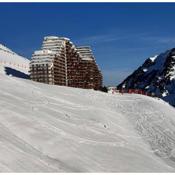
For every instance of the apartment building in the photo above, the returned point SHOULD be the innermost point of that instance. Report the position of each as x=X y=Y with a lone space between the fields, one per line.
x=60 y=62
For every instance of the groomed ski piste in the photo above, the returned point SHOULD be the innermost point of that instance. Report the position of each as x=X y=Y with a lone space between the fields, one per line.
x=47 y=128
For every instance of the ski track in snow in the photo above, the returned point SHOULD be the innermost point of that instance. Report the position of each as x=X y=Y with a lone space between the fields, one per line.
x=47 y=128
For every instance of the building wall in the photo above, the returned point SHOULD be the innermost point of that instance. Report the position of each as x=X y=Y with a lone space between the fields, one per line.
x=69 y=66
x=59 y=70
x=42 y=73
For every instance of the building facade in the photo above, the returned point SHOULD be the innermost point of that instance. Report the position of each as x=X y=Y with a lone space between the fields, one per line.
x=59 y=62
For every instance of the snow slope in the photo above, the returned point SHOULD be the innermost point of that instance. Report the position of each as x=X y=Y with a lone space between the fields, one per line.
x=47 y=128
x=12 y=63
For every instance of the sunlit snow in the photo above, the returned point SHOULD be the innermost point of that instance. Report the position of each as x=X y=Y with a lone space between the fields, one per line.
x=46 y=128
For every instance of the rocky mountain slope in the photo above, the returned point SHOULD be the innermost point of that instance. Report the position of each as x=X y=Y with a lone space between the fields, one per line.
x=156 y=75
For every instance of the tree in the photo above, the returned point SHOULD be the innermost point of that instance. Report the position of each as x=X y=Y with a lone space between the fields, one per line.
x=104 y=89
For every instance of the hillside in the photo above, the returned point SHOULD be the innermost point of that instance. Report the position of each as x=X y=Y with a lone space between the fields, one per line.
x=46 y=128
x=13 y=64
x=156 y=75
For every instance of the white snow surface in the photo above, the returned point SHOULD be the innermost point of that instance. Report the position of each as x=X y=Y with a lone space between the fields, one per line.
x=47 y=128
x=10 y=59
x=153 y=58
x=4 y=48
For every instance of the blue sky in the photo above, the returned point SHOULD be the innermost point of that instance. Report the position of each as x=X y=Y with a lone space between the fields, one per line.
x=122 y=35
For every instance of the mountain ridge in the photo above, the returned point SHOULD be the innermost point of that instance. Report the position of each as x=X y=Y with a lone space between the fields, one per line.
x=156 y=75
x=12 y=63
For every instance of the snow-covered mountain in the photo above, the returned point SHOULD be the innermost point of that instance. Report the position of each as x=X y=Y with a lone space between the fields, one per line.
x=47 y=128
x=156 y=75
x=12 y=63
